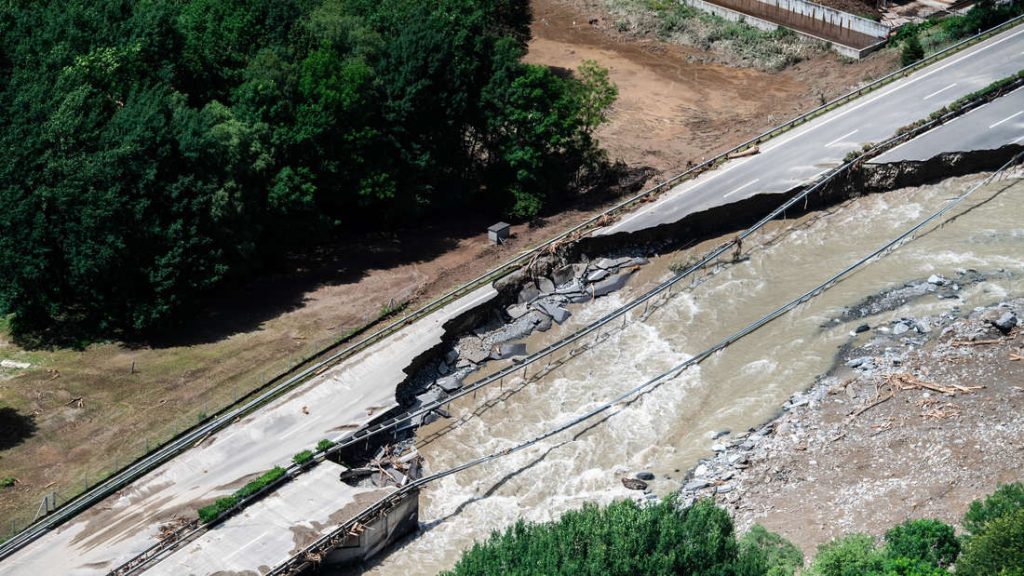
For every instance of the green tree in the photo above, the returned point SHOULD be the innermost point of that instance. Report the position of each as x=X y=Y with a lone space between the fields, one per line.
x=1006 y=499
x=930 y=541
x=912 y=51
x=997 y=550
x=622 y=538
x=902 y=566
x=853 y=555
x=156 y=150
x=765 y=553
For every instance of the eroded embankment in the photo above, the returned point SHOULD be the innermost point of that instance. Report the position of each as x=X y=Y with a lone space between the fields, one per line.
x=865 y=179
x=530 y=298
x=666 y=432
x=918 y=417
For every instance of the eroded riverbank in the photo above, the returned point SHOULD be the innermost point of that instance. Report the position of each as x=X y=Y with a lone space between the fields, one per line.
x=670 y=429
x=918 y=418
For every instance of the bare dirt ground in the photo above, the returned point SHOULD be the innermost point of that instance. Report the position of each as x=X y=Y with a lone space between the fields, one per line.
x=73 y=417
x=917 y=429
x=676 y=103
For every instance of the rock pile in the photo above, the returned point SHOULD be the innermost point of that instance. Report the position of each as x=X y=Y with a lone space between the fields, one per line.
x=822 y=435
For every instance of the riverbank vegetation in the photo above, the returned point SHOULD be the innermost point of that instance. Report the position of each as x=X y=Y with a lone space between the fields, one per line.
x=664 y=538
x=156 y=150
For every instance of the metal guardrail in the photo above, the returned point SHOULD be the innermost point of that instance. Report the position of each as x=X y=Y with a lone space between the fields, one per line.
x=182 y=442
x=300 y=561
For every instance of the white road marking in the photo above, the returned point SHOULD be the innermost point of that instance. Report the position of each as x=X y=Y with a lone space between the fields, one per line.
x=751 y=183
x=1019 y=138
x=828 y=118
x=841 y=138
x=1010 y=117
x=937 y=92
x=255 y=540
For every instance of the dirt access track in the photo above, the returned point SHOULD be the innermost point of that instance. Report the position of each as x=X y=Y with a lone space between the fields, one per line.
x=73 y=417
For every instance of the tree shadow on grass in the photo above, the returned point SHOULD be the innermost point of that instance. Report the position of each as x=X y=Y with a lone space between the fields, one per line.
x=15 y=427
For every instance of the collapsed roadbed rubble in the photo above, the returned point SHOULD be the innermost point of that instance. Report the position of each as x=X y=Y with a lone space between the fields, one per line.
x=917 y=418
x=535 y=305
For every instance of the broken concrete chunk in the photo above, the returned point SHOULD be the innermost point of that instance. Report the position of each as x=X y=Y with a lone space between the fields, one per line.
x=556 y=312
x=563 y=275
x=546 y=285
x=607 y=263
x=476 y=353
x=597 y=275
x=429 y=397
x=528 y=294
x=450 y=383
x=517 y=311
x=580 y=298
x=508 y=350
x=544 y=324
x=609 y=285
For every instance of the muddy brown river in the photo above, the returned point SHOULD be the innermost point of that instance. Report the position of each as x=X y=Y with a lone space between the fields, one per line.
x=669 y=429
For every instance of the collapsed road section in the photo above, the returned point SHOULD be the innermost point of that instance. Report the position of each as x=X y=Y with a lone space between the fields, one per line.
x=344 y=398
x=565 y=287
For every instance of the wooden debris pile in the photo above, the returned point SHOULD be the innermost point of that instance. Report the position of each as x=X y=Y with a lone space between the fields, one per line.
x=387 y=468
x=906 y=381
x=173 y=529
x=933 y=408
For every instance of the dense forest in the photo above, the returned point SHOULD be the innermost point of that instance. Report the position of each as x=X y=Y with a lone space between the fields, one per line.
x=154 y=149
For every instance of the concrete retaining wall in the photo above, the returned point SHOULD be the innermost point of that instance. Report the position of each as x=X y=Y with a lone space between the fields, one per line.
x=826 y=14
x=379 y=533
x=824 y=18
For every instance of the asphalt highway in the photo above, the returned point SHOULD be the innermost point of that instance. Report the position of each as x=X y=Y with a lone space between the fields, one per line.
x=987 y=127
x=797 y=157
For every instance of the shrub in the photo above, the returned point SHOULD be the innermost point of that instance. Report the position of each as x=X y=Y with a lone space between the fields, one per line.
x=853 y=555
x=996 y=551
x=213 y=511
x=764 y=553
x=7 y=481
x=260 y=483
x=324 y=445
x=210 y=513
x=901 y=566
x=1006 y=499
x=912 y=51
x=930 y=541
x=303 y=457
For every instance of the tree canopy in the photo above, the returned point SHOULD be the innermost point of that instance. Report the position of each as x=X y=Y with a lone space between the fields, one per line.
x=153 y=150
x=627 y=539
